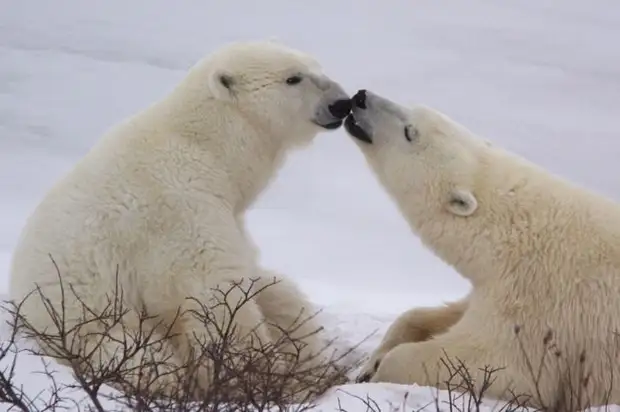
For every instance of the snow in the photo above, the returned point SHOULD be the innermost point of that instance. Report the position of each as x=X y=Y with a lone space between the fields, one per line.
x=540 y=77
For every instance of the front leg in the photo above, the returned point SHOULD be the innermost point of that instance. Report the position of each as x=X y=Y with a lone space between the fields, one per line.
x=221 y=313
x=296 y=330
x=415 y=325
x=208 y=274
x=291 y=317
x=289 y=314
x=459 y=362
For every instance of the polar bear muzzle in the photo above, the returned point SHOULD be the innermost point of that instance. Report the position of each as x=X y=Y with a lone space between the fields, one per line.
x=354 y=129
x=333 y=108
x=352 y=124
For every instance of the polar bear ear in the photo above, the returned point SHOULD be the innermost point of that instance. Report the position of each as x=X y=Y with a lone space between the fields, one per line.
x=462 y=203
x=221 y=84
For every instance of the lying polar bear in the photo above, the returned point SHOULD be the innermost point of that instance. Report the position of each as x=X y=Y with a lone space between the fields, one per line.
x=542 y=254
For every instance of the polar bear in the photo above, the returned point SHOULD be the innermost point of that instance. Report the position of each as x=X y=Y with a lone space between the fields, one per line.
x=157 y=207
x=542 y=255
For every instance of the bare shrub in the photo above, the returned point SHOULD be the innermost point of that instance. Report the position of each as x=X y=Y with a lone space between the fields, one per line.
x=263 y=376
x=575 y=390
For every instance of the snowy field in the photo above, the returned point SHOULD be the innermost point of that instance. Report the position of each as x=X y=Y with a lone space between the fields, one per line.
x=540 y=77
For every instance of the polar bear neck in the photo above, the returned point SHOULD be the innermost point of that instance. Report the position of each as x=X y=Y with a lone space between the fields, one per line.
x=527 y=217
x=245 y=154
x=250 y=169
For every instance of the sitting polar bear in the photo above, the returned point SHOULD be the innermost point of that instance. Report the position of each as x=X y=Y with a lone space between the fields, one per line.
x=160 y=200
x=542 y=254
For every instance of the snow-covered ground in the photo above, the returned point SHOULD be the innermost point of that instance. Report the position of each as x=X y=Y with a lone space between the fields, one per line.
x=540 y=77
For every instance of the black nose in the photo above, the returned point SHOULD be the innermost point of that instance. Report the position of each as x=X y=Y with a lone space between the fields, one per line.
x=340 y=108
x=359 y=100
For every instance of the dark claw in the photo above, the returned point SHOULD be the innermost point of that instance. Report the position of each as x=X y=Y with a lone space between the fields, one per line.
x=368 y=375
x=363 y=378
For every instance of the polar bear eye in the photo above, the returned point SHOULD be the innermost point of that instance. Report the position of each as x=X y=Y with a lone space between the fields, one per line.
x=294 y=80
x=410 y=132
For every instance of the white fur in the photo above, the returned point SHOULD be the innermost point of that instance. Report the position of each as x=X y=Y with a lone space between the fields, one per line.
x=541 y=254
x=161 y=199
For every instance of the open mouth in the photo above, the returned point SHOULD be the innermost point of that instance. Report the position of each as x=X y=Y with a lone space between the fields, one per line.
x=356 y=130
x=330 y=126
x=333 y=125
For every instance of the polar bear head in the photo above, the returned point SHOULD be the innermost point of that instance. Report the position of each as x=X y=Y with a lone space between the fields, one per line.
x=438 y=173
x=275 y=88
x=426 y=161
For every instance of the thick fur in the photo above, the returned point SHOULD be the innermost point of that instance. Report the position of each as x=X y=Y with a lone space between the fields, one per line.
x=161 y=197
x=542 y=255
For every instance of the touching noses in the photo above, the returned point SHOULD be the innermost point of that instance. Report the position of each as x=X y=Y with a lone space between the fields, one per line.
x=359 y=100
x=340 y=108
